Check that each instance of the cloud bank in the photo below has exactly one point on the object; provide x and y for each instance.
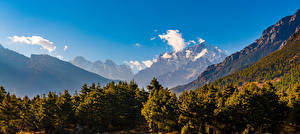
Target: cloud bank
(137, 66)
(147, 63)
(34, 40)
(166, 56)
(174, 39)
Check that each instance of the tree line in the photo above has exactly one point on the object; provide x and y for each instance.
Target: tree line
(94, 109)
(123, 106)
(249, 109)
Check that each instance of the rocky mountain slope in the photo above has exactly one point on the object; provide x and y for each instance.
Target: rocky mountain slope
(281, 67)
(41, 74)
(273, 38)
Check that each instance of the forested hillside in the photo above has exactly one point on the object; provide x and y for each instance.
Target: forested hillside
(282, 67)
(272, 39)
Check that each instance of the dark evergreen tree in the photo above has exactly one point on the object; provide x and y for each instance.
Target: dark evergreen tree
(9, 114)
(161, 109)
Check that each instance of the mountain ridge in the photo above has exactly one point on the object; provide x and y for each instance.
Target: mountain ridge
(173, 68)
(108, 69)
(276, 66)
(41, 73)
(271, 40)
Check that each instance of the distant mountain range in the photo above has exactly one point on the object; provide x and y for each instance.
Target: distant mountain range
(41, 74)
(107, 69)
(272, 39)
(175, 68)
(191, 67)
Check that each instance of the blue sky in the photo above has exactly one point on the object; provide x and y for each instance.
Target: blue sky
(100, 30)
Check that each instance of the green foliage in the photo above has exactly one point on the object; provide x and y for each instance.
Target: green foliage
(243, 102)
(113, 107)
(89, 112)
(195, 111)
(9, 117)
(253, 108)
(65, 113)
(123, 106)
(93, 110)
(248, 109)
(161, 109)
(281, 67)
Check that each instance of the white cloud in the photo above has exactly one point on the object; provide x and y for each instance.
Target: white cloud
(166, 56)
(65, 47)
(135, 66)
(190, 42)
(147, 63)
(59, 57)
(34, 40)
(174, 39)
(200, 40)
(155, 30)
(153, 38)
(137, 44)
(203, 52)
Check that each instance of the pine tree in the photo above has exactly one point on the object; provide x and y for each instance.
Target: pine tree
(26, 115)
(190, 112)
(64, 116)
(154, 85)
(9, 114)
(90, 112)
(48, 112)
(228, 90)
(161, 109)
(2, 93)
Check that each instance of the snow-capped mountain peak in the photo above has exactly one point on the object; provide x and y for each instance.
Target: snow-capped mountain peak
(166, 56)
(202, 53)
(181, 66)
(188, 53)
